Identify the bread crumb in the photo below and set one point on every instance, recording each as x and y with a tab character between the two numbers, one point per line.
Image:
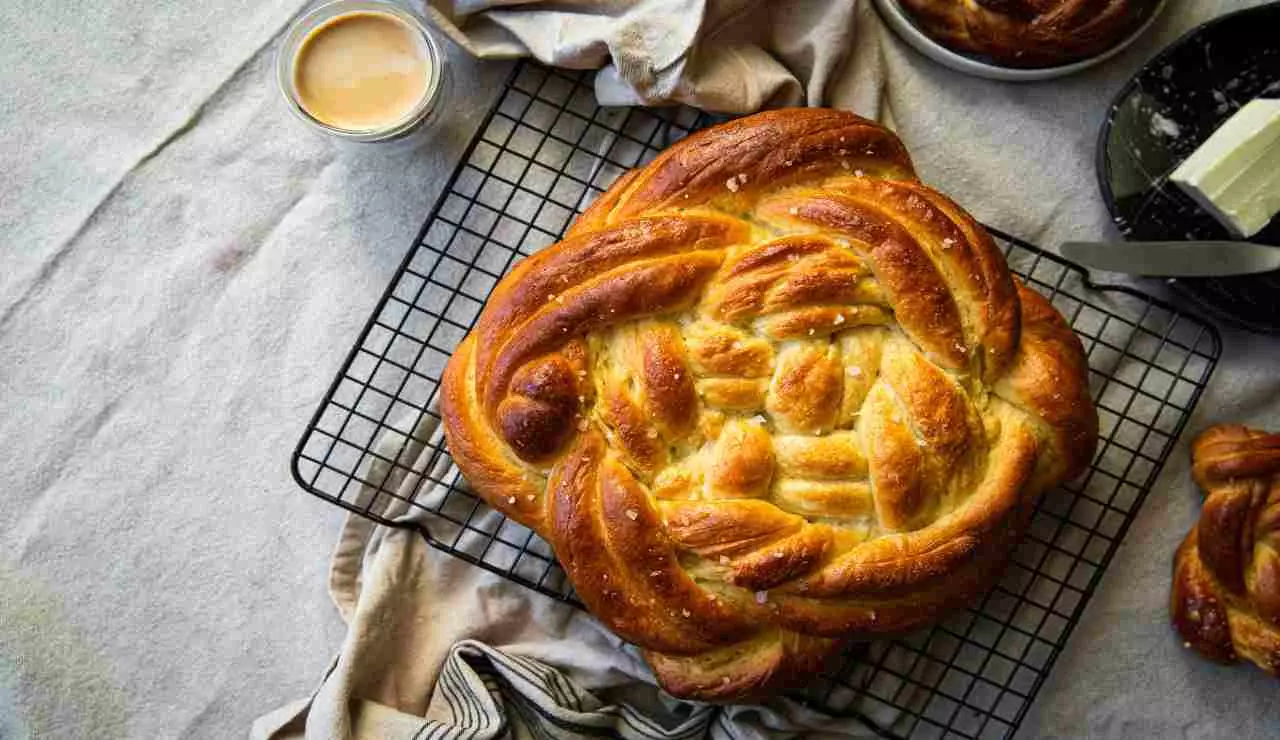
652	433
511	499
858	173
789	162
632	514
793	211
582	424
530	497
839	319
685	612
810	332
724	680
724	559
777	554
854	371
1186	644
655	573
742	178
758	419
844	164
677	376
732	184
762	596
948	243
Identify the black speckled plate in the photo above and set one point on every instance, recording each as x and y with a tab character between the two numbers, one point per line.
1167	110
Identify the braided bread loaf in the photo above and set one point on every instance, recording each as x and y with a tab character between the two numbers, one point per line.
771	393
1030	33
1226	575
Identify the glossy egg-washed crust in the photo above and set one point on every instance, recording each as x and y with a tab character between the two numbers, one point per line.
1030	33
770	394
1226	575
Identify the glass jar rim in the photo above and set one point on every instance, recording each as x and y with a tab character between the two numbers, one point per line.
301	29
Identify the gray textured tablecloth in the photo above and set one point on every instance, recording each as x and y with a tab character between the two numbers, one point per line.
183	268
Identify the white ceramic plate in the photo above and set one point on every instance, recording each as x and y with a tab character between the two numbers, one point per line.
902	24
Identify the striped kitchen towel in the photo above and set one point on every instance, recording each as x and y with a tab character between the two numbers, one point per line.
487	694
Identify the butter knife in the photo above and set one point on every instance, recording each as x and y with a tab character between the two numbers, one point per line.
1175	259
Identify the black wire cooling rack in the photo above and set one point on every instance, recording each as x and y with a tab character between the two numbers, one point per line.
541	156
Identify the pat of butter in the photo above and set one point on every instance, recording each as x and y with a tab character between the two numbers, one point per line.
1235	175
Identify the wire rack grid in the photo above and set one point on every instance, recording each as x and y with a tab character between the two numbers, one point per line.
544	152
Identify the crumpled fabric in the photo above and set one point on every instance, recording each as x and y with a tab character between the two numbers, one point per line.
730	56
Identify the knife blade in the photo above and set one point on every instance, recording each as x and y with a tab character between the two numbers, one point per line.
1175	259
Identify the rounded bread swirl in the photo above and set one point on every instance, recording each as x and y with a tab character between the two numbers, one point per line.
1030	33
1226	575
770	393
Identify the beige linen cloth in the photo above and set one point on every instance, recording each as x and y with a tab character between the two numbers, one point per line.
1019	157
731	56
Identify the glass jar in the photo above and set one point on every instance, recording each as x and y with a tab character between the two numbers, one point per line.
301	30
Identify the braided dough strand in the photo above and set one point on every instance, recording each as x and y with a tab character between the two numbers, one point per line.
1226	580
1030	33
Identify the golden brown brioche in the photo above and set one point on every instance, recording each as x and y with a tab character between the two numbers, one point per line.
1226	575
1030	33
770	394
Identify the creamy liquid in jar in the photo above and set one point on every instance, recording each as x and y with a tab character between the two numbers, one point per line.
361	71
